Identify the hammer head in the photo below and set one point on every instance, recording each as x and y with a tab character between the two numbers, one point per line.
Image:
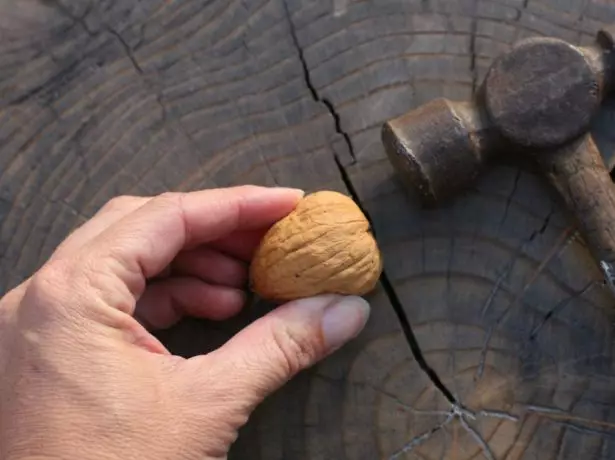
538	96
544	92
437	149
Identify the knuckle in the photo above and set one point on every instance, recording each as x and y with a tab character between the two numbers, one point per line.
45	285
119	202
171	200
169	197
15	294
296	350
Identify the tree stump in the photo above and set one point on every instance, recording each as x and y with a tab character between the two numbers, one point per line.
491	333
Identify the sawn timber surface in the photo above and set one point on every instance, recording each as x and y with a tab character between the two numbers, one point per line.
105	98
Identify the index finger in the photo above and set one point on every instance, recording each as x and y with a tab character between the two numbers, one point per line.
141	244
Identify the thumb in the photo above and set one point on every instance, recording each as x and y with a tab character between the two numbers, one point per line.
271	350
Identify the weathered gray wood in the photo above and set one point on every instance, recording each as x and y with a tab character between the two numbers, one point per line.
504	304
106	98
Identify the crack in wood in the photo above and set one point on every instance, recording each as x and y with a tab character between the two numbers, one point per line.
558	415
58	79
511	264
456	409
487	452
489	302
417	440
586	430
308	81
80	20
497	414
384	279
545	224
545	409
498	283
554	251
397	305
383	392
509	198
306	71
559	307
338	128
462	414
127	49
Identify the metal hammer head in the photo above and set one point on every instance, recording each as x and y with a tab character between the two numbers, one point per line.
438	148
538	96
537	100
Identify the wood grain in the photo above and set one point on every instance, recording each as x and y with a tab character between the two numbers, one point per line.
105	98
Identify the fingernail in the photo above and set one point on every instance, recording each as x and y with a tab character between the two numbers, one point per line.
343	320
297	191
280	189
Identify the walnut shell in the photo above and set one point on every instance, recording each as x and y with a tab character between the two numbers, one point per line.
324	246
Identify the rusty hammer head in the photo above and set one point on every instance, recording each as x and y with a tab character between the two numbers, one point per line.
537	97
537	101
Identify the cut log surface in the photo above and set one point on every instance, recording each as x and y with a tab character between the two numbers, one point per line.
491	332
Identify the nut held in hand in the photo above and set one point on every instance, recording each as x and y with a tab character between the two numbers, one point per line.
324	246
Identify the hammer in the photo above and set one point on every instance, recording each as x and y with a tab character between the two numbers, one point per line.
536	103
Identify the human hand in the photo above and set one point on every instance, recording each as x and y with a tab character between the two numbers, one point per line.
83	378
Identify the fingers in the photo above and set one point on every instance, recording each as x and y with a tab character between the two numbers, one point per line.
165	302
110	213
240	245
142	243
270	351
210	266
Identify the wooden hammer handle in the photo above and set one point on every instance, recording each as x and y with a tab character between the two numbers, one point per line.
579	174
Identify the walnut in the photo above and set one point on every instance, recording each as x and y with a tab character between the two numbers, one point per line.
324	246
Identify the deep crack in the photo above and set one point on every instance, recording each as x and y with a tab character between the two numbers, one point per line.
384	279
338	127
306	71
308	81
411	338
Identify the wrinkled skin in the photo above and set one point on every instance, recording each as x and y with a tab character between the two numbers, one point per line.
82	377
